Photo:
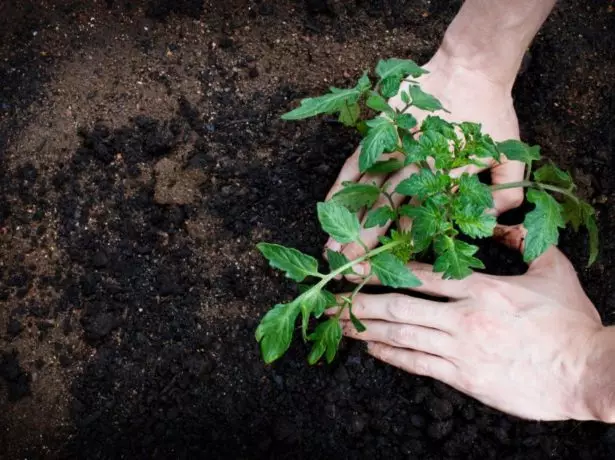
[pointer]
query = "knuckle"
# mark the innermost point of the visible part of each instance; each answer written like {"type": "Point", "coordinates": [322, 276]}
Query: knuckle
{"type": "Point", "coordinates": [399, 307]}
{"type": "Point", "coordinates": [402, 335]}
{"type": "Point", "coordinates": [420, 366]}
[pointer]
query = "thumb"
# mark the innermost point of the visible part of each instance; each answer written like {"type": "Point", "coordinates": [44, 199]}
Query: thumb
{"type": "Point", "coordinates": [513, 236]}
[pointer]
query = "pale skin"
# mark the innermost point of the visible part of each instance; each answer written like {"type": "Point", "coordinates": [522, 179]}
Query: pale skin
{"type": "Point", "coordinates": [533, 345]}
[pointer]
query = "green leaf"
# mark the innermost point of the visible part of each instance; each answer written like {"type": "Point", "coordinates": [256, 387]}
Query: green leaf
{"type": "Point", "coordinates": [402, 251]}
{"type": "Point", "coordinates": [551, 174]}
{"type": "Point", "coordinates": [354, 196]}
{"type": "Point", "coordinates": [356, 322]}
{"type": "Point", "coordinates": [381, 137]}
{"type": "Point", "coordinates": [472, 220]}
{"type": "Point", "coordinates": [399, 68]}
{"type": "Point", "coordinates": [475, 192]}
{"type": "Point", "coordinates": [424, 183]}
{"type": "Point", "coordinates": [592, 228]}
{"type": "Point", "coordinates": [326, 338]}
{"type": "Point", "coordinates": [579, 212]}
{"type": "Point", "coordinates": [519, 151]}
{"type": "Point", "coordinates": [405, 121]}
{"type": "Point", "coordinates": [439, 125]}
{"type": "Point", "coordinates": [542, 224]}
{"type": "Point", "coordinates": [434, 144]}
{"type": "Point", "coordinates": [423, 100]}
{"type": "Point", "coordinates": [392, 272]}
{"type": "Point", "coordinates": [376, 102]}
{"type": "Point", "coordinates": [332, 102]}
{"type": "Point", "coordinates": [275, 331]}
{"type": "Point", "coordinates": [379, 217]}
{"type": "Point", "coordinates": [389, 87]}
{"type": "Point", "coordinates": [364, 84]}
{"type": "Point", "coordinates": [296, 264]}
{"type": "Point", "coordinates": [427, 220]}
{"type": "Point", "coordinates": [455, 258]}
{"type": "Point", "coordinates": [337, 260]}
{"type": "Point", "coordinates": [313, 302]}
{"type": "Point", "coordinates": [349, 114]}
{"type": "Point", "coordinates": [414, 152]}
{"type": "Point", "coordinates": [405, 97]}
{"type": "Point", "coordinates": [339, 222]}
{"type": "Point", "coordinates": [385, 166]}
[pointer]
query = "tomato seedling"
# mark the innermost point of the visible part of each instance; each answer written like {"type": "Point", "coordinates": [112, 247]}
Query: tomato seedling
{"type": "Point", "coordinates": [444, 206]}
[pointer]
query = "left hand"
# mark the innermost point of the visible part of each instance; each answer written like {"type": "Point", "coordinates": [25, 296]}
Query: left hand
{"type": "Point", "coordinates": [520, 344]}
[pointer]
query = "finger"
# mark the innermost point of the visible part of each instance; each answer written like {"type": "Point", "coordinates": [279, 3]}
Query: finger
{"type": "Point", "coordinates": [432, 283]}
{"type": "Point", "coordinates": [514, 236]}
{"type": "Point", "coordinates": [506, 173]}
{"type": "Point", "coordinates": [404, 309]}
{"type": "Point", "coordinates": [414, 362]}
{"type": "Point", "coordinates": [370, 236]}
{"type": "Point", "coordinates": [399, 335]}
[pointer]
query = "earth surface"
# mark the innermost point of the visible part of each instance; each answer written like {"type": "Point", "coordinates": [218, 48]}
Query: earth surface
{"type": "Point", "coordinates": [142, 158]}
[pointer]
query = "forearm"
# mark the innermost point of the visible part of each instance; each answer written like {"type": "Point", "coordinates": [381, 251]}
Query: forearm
{"type": "Point", "coordinates": [492, 35]}
{"type": "Point", "coordinates": [598, 384]}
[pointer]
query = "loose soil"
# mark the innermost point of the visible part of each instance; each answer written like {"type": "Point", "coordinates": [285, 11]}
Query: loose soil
{"type": "Point", "coordinates": [142, 160]}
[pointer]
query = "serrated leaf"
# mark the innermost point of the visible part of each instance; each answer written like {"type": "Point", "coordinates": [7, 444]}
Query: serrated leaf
{"type": "Point", "coordinates": [399, 68]}
{"type": "Point", "coordinates": [328, 103]}
{"type": "Point", "coordinates": [542, 224]}
{"type": "Point", "coordinates": [341, 224]}
{"type": "Point", "coordinates": [356, 322]}
{"type": "Point", "coordinates": [338, 260]}
{"type": "Point", "coordinates": [354, 196]}
{"type": "Point", "coordinates": [438, 125]}
{"type": "Point", "coordinates": [578, 213]}
{"type": "Point", "coordinates": [389, 87]}
{"type": "Point", "coordinates": [475, 192]}
{"type": "Point", "coordinates": [314, 302]}
{"type": "Point", "coordinates": [326, 338]}
{"type": "Point", "coordinates": [455, 258]}
{"type": "Point", "coordinates": [412, 149]}
{"type": "Point", "coordinates": [379, 217]}
{"type": "Point", "coordinates": [364, 83]}
{"type": "Point", "coordinates": [518, 151]}
{"type": "Point", "coordinates": [424, 183]}
{"type": "Point", "coordinates": [402, 251]}
{"type": "Point", "coordinates": [405, 121]}
{"type": "Point", "coordinates": [405, 97]}
{"type": "Point", "coordinates": [376, 102]}
{"type": "Point", "coordinates": [551, 174]}
{"type": "Point", "coordinates": [472, 220]}
{"type": "Point", "coordinates": [436, 145]}
{"type": "Point", "coordinates": [423, 100]}
{"type": "Point", "coordinates": [349, 114]}
{"type": "Point", "coordinates": [296, 264]}
{"type": "Point", "coordinates": [275, 331]}
{"type": "Point", "coordinates": [427, 220]}
{"type": "Point", "coordinates": [381, 137]}
{"type": "Point", "coordinates": [393, 272]}
{"type": "Point", "coordinates": [386, 166]}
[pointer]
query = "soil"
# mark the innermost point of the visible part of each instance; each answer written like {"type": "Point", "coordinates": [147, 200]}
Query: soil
{"type": "Point", "coordinates": [142, 160]}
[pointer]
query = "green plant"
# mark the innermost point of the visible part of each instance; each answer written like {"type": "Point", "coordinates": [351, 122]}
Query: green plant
{"type": "Point", "coordinates": [445, 206]}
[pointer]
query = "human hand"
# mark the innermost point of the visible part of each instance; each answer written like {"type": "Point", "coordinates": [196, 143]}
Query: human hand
{"type": "Point", "coordinates": [469, 95]}
{"type": "Point", "coordinates": [520, 344]}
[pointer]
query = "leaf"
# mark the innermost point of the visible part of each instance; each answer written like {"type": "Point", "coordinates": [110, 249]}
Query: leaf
{"type": "Point", "coordinates": [518, 151]}
{"type": "Point", "coordinates": [423, 100]}
{"type": "Point", "coordinates": [439, 125]}
{"type": "Point", "coordinates": [275, 331]}
{"type": "Point", "coordinates": [381, 137]}
{"type": "Point", "coordinates": [427, 220]}
{"type": "Point", "coordinates": [379, 217]}
{"type": "Point", "coordinates": [385, 166]}
{"type": "Point", "coordinates": [354, 196]}
{"type": "Point", "coordinates": [296, 264]}
{"type": "Point", "coordinates": [405, 97]}
{"type": "Point", "coordinates": [392, 272]}
{"type": "Point", "coordinates": [364, 83]}
{"type": "Point", "coordinates": [551, 174]}
{"type": "Point", "coordinates": [405, 121]}
{"type": "Point", "coordinates": [474, 191]}
{"type": "Point", "coordinates": [424, 183]}
{"type": "Point", "coordinates": [399, 68]}
{"type": "Point", "coordinates": [414, 152]}
{"type": "Point", "coordinates": [455, 258]}
{"type": "Point", "coordinates": [328, 103]}
{"type": "Point", "coordinates": [592, 228]}
{"type": "Point", "coordinates": [579, 212]}
{"type": "Point", "coordinates": [349, 114]}
{"type": "Point", "coordinates": [433, 144]}
{"type": "Point", "coordinates": [313, 302]}
{"type": "Point", "coordinates": [472, 220]}
{"type": "Point", "coordinates": [339, 222]}
{"type": "Point", "coordinates": [389, 87]}
{"type": "Point", "coordinates": [356, 322]}
{"type": "Point", "coordinates": [402, 251]}
{"type": "Point", "coordinates": [542, 224]}
{"type": "Point", "coordinates": [376, 102]}
{"type": "Point", "coordinates": [326, 338]}
{"type": "Point", "coordinates": [337, 260]}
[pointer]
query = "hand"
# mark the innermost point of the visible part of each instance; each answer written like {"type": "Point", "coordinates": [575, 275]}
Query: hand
{"type": "Point", "coordinates": [470, 96]}
{"type": "Point", "coordinates": [521, 344]}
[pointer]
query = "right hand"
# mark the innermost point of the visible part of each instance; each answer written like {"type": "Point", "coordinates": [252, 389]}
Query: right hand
{"type": "Point", "coordinates": [469, 95]}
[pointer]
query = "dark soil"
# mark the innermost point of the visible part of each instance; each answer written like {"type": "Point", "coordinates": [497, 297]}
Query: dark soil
{"type": "Point", "coordinates": [142, 160]}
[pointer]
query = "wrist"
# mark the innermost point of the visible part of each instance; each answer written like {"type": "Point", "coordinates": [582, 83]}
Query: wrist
{"type": "Point", "coordinates": [598, 380]}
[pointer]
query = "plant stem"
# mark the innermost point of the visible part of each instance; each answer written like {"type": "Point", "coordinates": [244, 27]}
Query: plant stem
{"type": "Point", "coordinates": [527, 183]}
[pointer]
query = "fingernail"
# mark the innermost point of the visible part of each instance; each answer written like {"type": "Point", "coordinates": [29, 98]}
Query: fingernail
{"type": "Point", "coordinates": [331, 311]}
{"type": "Point", "coordinates": [359, 269]}
{"type": "Point", "coordinates": [333, 245]}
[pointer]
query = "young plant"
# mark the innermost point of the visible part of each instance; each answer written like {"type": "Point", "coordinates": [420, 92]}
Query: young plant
{"type": "Point", "coordinates": [444, 206]}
